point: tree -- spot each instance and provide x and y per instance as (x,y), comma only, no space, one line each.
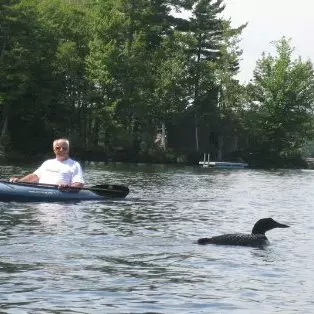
(230,92)
(206,29)
(22,70)
(169,92)
(69,26)
(132,66)
(281,98)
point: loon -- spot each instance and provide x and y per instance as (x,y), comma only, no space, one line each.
(257,238)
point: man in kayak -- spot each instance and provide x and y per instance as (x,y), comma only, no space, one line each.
(62,171)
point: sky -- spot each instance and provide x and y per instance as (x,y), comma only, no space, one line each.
(268,21)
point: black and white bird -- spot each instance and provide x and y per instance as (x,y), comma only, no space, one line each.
(257,238)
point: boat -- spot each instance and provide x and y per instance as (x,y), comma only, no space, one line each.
(36,192)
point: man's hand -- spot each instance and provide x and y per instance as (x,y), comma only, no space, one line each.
(68,188)
(63,187)
(14,179)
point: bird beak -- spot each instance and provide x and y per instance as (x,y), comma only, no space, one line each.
(281,225)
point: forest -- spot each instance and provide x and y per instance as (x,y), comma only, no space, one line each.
(133,80)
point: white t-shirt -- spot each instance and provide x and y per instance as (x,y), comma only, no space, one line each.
(54,171)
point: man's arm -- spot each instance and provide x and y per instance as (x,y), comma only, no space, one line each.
(77,184)
(32,178)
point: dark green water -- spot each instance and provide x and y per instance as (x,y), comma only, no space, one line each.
(139,255)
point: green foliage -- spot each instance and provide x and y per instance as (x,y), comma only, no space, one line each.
(170,88)
(281,98)
(108,73)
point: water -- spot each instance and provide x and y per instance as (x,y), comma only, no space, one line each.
(139,255)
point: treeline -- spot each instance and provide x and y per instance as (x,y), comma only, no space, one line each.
(130,80)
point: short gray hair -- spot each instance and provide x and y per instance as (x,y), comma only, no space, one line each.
(65,140)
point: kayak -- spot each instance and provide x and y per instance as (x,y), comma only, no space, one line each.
(35,192)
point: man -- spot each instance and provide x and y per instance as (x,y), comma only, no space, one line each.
(62,171)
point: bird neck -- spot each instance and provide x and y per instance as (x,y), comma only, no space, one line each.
(257,230)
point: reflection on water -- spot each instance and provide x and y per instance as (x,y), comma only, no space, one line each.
(139,254)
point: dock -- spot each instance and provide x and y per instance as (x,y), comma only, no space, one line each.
(206,163)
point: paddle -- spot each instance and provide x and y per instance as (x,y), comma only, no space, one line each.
(108,190)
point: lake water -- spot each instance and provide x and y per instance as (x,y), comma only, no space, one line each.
(139,254)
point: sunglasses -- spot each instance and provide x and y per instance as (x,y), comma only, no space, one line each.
(61,147)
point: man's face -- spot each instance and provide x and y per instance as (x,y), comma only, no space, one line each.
(61,149)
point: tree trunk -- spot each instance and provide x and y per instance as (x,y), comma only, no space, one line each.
(4,133)
(196,138)
(163,136)
(220,147)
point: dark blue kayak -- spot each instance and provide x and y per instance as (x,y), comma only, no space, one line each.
(35,192)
